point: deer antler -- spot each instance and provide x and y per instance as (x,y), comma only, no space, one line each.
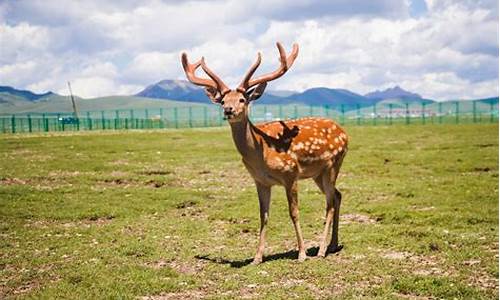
(286,63)
(215,83)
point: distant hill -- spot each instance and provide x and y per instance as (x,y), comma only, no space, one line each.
(181,93)
(24,94)
(393,93)
(182,90)
(175,90)
(324,96)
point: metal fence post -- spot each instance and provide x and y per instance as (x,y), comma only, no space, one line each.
(190,111)
(205,116)
(89,121)
(457,110)
(176,117)
(491,113)
(390,114)
(117,115)
(342,110)
(162,124)
(440,105)
(407,113)
(60,125)
(30,128)
(13,124)
(132,119)
(103,121)
(423,112)
(45,123)
(358,114)
(474,111)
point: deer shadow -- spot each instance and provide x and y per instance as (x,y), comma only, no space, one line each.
(284,140)
(291,255)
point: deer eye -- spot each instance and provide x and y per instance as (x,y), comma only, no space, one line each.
(242,100)
(222,102)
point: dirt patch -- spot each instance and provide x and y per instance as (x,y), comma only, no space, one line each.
(484,281)
(193,294)
(25,288)
(223,180)
(38,183)
(64,174)
(482,169)
(356,219)
(87,223)
(486,145)
(410,296)
(118,174)
(420,264)
(186,204)
(396,255)
(378,198)
(119,162)
(156,172)
(155,183)
(12,181)
(424,208)
(119,181)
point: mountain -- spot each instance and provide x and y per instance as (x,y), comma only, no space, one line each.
(181,94)
(182,90)
(175,90)
(331,97)
(24,94)
(393,93)
(280,93)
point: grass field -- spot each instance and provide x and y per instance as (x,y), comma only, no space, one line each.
(172,214)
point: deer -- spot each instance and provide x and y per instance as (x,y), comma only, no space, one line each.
(280,152)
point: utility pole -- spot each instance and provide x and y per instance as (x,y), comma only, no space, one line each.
(73,101)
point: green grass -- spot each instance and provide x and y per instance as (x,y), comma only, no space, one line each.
(173,213)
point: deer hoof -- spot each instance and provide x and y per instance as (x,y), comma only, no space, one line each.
(321,253)
(302,257)
(335,248)
(257,261)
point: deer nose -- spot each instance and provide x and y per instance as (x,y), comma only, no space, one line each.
(228,111)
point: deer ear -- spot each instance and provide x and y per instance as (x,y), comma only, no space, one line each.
(213,94)
(255,93)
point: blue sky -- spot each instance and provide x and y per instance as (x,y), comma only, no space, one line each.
(442,49)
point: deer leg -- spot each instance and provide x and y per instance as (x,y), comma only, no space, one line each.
(326,187)
(337,198)
(334,244)
(264,193)
(293,207)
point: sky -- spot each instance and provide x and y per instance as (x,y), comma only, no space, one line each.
(441,49)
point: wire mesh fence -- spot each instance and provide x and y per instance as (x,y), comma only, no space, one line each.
(425,112)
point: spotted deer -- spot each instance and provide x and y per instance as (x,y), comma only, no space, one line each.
(280,152)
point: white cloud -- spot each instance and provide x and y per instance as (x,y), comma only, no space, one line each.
(109,48)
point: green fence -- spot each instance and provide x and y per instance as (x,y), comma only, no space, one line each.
(211,116)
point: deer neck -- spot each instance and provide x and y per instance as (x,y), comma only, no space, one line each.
(244,138)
